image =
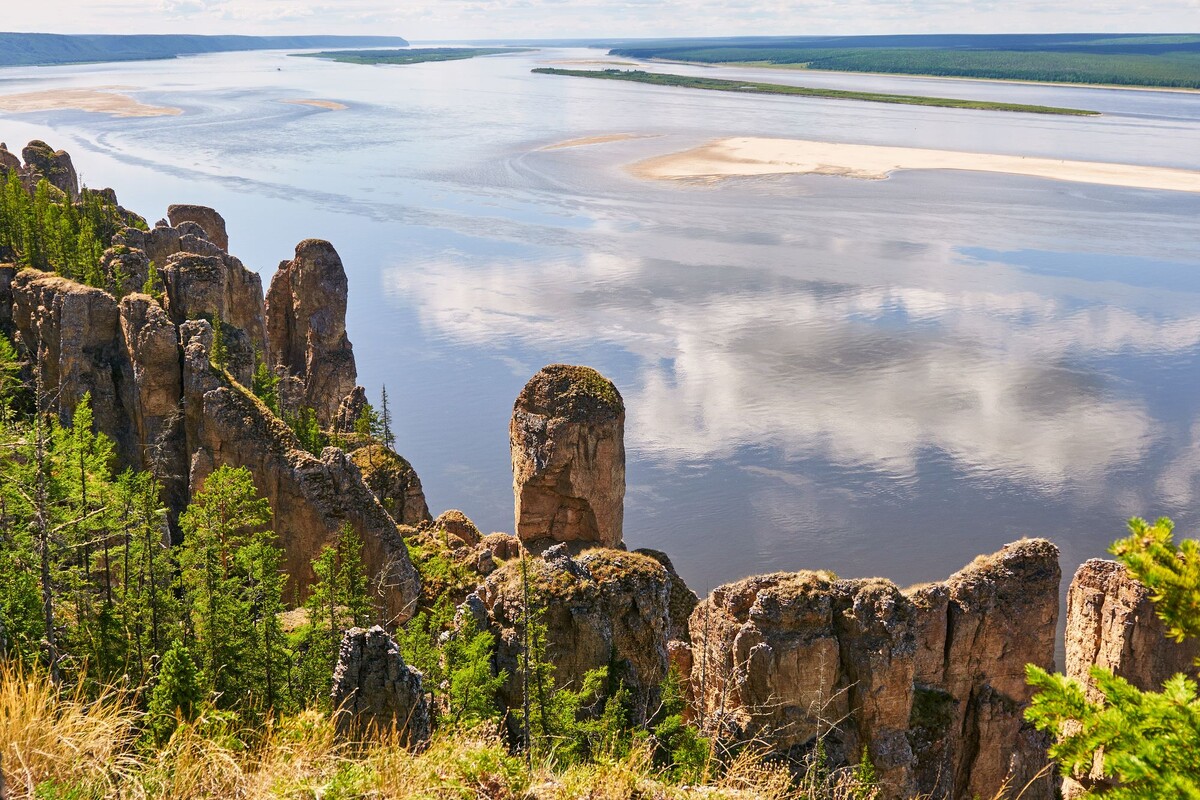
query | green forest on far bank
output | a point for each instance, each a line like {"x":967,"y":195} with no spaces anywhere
{"x":418,"y":55}
{"x":1160,"y":61}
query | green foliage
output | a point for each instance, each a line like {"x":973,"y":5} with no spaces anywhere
{"x":472,"y":687}
{"x":47,"y":231}
{"x":385,"y":420}
{"x":338,"y":600}
{"x":679,"y":749}
{"x":304,"y":424}
{"x":176,"y":695}
{"x":265,"y":384}
{"x":1171,"y":573}
{"x":1147,"y":742}
{"x":229,"y":570}
{"x":153,"y":285}
{"x":866,"y":781}
{"x":751,"y":87}
{"x":368,"y":423}
{"x":410,"y":55}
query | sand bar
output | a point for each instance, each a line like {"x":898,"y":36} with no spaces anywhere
{"x":97,"y":99}
{"x":745,"y":157}
{"x":601,"y":139}
{"x":329,"y":105}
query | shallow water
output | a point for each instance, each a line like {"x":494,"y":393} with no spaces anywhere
{"x":884,"y":377}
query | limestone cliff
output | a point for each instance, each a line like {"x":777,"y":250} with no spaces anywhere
{"x":928,"y":683}
{"x":311,"y":498}
{"x":306,"y":322}
{"x":1111,"y":623}
{"x":374,"y":690}
{"x":567,"y":438}
{"x":602,"y":608}
{"x":207,"y":218}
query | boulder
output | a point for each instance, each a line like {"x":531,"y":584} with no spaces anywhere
{"x":457,"y":524}
{"x":375,"y":692}
{"x":568,"y":456}
{"x":393,"y":480}
{"x":208,"y":219}
{"x":603,"y":608}
{"x":306,"y":325}
{"x":311,"y":498}
{"x":43,"y":161}
{"x":503,"y":546}
{"x":928,"y":683}
{"x":1111,"y":623}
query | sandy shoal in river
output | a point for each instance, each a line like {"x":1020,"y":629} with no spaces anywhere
{"x":604,"y":138}
{"x":330,"y":105}
{"x":98,"y":100}
{"x":746,"y":156}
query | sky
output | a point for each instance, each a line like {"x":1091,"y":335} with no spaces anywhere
{"x":465,"y":19}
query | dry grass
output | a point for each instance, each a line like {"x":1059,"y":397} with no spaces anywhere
{"x":60,"y":745}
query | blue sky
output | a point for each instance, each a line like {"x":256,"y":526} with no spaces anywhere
{"x":434,"y":19}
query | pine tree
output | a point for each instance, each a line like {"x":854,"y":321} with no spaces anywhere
{"x":176,"y":696}
{"x":223,"y":517}
{"x":385,"y":420}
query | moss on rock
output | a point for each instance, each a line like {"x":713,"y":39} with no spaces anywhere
{"x":578,"y":394}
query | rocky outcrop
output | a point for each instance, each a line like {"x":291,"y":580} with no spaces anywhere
{"x":1112,"y":624}
{"x":306,"y":325}
{"x":393,"y":480}
{"x":682,"y":600}
{"x":43,"y":161}
{"x":207,"y":218}
{"x":568,"y":456}
{"x":311,"y":498}
{"x":70,"y":333}
{"x":603,"y":608}
{"x":458,"y":525}
{"x":8,"y":161}
{"x":929,"y":684}
{"x":126,"y":268}
{"x":7,"y":273}
{"x":153,"y":398}
{"x":375,"y":691}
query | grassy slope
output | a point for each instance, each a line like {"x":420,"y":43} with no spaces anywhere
{"x":413,"y":56}
{"x":714,"y":84}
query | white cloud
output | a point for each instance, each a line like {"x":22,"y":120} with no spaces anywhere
{"x":594,"y":18}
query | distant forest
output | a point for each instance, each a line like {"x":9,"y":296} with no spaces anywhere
{"x":417,"y":55}
{"x":1119,"y":59}
{"x":41,"y":49}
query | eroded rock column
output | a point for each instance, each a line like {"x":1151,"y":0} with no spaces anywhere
{"x":375,"y":691}
{"x":568,"y":454}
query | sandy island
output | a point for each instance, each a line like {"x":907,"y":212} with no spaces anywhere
{"x":100,"y":100}
{"x":592,"y":62}
{"x":329,"y":105}
{"x":744,"y":157}
{"x":601,"y":139}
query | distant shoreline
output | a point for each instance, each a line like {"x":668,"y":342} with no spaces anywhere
{"x":750,"y":157}
{"x":967,"y":78}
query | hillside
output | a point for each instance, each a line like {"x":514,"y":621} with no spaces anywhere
{"x":38,"y":49}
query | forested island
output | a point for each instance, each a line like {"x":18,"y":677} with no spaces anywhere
{"x":219,"y":578}
{"x":754,"y":87}
{"x":1159,"y":60}
{"x":416,"y":55}
{"x":42,"y":49}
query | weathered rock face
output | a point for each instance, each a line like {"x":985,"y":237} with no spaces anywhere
{"x":42,"y":161}
{"x":393,"y":480}
{"x":568,"y":455}
{"x":375,"y":691}
{"x":153,"y":398}
{"x":207,"y":218}
{"x":929,"y":683}
{"x":70,"y":333}
{"x":125,"y":267}
{"x":7,"y":273}
{"x":605,"y":607}
{"x":1111,"y":623}
{"x":311,"y":498}
{"x":457,"y":524}
{"x":8,"y":161}
{"x":306,"y":325}
{"x":683,"y":601}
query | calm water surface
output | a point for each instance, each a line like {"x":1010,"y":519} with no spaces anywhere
{"x":872,"y":377}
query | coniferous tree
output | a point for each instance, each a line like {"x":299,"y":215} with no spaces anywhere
{"x":176,"y":695}
{"x":385,"y":420}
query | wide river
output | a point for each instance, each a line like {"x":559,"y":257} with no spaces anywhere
{"x":873,"y":377}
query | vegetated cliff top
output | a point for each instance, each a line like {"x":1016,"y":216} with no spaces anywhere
{"x":37,"y":49}
{"x":578,"y":394}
